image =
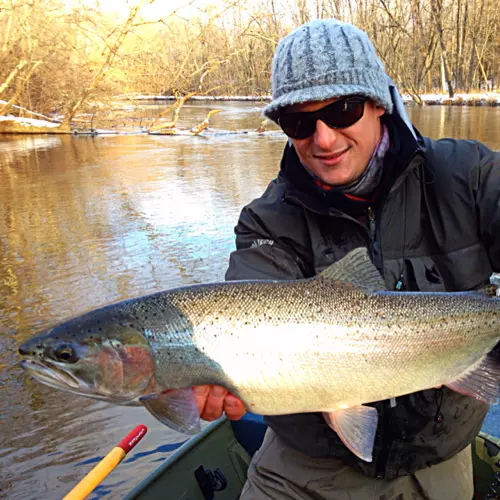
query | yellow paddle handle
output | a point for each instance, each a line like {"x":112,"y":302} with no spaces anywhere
{"x":87,"y":485}
{"x":90,"y":482}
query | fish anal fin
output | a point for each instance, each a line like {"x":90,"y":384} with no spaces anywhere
{"x":176,"y":409}
{"x":356,"y":268}
{"x":482,"y":380}
{"x":356,"y":427}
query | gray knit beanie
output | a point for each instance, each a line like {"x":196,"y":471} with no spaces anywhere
{"x":324,"y":59}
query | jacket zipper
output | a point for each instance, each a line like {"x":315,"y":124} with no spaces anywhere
{"x":385,"y":436}
{"x":372,"y":222}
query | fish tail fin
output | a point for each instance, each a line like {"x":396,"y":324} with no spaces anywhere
{"x":481,"y":380}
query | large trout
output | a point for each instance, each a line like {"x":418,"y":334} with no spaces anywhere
{"x":327,"y":344}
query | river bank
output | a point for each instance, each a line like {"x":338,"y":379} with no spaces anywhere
{"x":125,"y":115}
{"x":473,"y":99}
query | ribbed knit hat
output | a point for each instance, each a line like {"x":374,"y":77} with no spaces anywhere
{"x":324,"y":59}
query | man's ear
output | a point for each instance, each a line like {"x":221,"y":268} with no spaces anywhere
{"x":379,"y":110}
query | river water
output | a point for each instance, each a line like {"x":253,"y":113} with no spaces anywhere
{"x":86,"y":221}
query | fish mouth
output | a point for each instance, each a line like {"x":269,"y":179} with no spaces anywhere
{"x":50,"y":374}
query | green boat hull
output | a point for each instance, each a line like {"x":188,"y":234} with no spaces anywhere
{"x":214,"y":448}
{"x":486,"y":462}
{"x":191,"y":472}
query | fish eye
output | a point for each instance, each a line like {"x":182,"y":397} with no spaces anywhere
{"x":66,"y":353}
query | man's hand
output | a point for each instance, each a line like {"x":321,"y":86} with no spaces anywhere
{"x":212,"y":400}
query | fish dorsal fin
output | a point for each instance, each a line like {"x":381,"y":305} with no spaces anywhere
{"x":356,"y":268}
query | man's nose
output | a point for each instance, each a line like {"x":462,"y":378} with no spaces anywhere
{"x":324,"y":136}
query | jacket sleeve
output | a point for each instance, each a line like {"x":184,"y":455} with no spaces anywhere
{"x":259,"y":254}
{"x":486,"y":184}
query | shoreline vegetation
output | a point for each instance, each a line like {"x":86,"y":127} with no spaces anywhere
{"x":459,"y":99}
{"x":83,"y":125}
{"x":66,"y":62}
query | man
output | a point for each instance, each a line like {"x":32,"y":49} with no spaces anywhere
{"x":356,"y":173}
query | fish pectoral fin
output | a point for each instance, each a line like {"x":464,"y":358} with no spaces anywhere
{"x":357,"y":269}
{"x":356,"y":427}
{"x":176,"y":409}
{"x":482,"y":380}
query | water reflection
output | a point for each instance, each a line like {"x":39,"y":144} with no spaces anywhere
{"x":460,"y":122}
{"x":86,"y":221}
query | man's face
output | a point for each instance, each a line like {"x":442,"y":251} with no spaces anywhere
{"x":338,"y":156}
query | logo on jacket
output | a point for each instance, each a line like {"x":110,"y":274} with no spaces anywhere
{"x":258,"y":243}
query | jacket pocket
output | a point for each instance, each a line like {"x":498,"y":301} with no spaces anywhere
{"x":465,"y":269}
{"x":422,"y":274}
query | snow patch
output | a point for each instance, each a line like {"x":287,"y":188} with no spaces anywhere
{"x":29,"y":122}
{"x":485,"y":97}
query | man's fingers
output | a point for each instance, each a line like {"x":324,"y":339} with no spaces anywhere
{"x":234,"y":408}
{"x":201,"y":394}
{"x":214,"y":403}
{"x":212,"y":400}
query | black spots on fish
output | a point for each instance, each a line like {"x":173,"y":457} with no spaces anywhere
{"x":125,"y":324}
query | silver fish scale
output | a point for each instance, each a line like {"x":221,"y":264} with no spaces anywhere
{"x":316,"y":344}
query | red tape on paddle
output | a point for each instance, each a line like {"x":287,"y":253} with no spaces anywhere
{"x":132,"y":438}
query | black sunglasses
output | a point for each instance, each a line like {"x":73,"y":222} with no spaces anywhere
{"x":339,"y":114}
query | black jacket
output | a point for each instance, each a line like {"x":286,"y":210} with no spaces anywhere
{"x":434,"y":226}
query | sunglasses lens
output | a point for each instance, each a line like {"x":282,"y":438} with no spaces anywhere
{"x":298,"y":125}
{"x":346,"y":112}
{"x":340,"y":114}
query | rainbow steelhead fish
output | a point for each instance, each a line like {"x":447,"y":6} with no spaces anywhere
{"x":327,"y":344}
